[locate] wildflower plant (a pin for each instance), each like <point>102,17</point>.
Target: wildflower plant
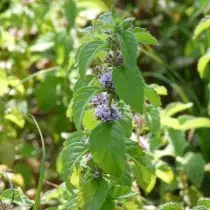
<point>106,99</point>
<point>116,150</point>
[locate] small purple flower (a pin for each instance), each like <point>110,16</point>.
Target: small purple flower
<point>106,80</point>
<point>99,99</point>
<point>107,114</point>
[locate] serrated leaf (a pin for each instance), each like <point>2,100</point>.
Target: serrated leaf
<point>152,96</point>
<point>170,206</point>
<point>202,25</point>
<point>86,53</point>
<point>95,193</point>
<point>129,85</point>
<point>80,100</point>
<point>177,139</point>
<point>176,107</point>
<point>90,121</point>
<point>145,37</point>
<point>204,201</point>
<point>129,48</point>
<point>202,63</point>
<point>73,151</point>
<point>193,166</point>
<point>105,140</point>
<point>153,119</point>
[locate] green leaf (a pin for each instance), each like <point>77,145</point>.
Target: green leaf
<point>170,122</point>
<point>71,12</point>
<point>95,193</point>
<point>200,207</point>
<point>145,176</point>
<point>203,25</point>
<point>193,166</point>
<point>194,123</point>
<point>86,53</point>
<point>164,172</point>
<point>145,37</point>
<point>152,96</point>
<point>126,123</point>
<point>16,117</point>
<point>204,201</point>
<point>161,90</point>
<point>3,83</point>
<point>129,48</point>
<point>144,170</point>
<point>19,197</point>
<point>105,140</point>
<point>80,100</point>
<point>202,63</point>
<point>83,82</point>
<point>153,119</point>
<point>129,85</point>
<point>177,139</point>
<point>170,206</point>
<point>176,107</point>
<point>108,204</point>
<point>73,151</point>
<point>90,121</point>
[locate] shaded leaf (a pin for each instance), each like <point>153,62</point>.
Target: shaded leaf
<point>152,96</point>
<point>129,48</point>
<point>177,139</point>
<point>81,99</point>
<point>145,37</point>
<point>193,166</point>
<point>95,193</point>
<point>86,53</point>
<point>105,140</point>
<point>153,119</point>
<point>73,151</point>
<point>129,85</point>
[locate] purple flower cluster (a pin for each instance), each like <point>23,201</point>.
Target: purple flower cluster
<point>106,80</point>
<point>99,99</point>
<point>107,114</point>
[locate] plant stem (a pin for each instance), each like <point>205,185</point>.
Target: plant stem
<point>42,169</point>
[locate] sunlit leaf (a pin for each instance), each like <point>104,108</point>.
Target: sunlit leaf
<point>202,26</point>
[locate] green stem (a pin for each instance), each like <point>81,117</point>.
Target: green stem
<point>42,169</point>
<point>110,100</point>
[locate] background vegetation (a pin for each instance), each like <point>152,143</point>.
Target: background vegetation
<point>38,39</point>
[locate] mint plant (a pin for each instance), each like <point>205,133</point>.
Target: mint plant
<point>123,138</point>
<point>107,96</point>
